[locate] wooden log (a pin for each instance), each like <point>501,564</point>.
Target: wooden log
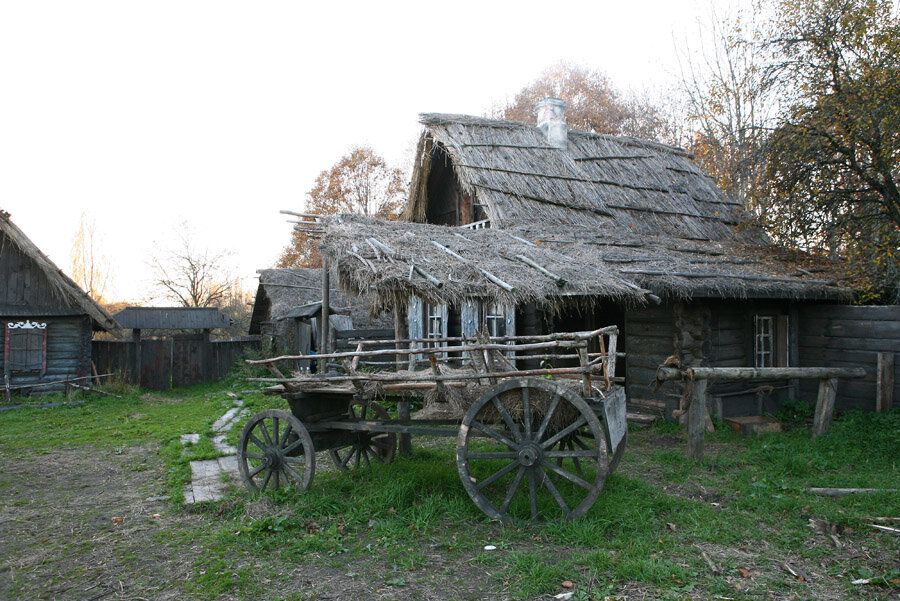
<point>560,281</point>
<point>665,374</point>
<point>383,377</point>
<point>843,492</point>
<point>305,215</point>
<point>824,406</point>
<point>364,261</point>
<point>884,385</point>
<point>425,351</point>
<point>696,421</point>
<point>437,283</point>
<point>326,302</point>
<point>491,277</point>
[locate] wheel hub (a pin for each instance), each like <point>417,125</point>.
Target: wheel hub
<point>273,458</point>
<point>530,454</point>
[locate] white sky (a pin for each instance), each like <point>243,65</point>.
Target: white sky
<point>144,115</point>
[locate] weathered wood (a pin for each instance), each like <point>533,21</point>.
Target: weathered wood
<point>491,277</point>
<point>326,305</point>
<point>757,373</point>
<point>842,492</point>
<point>560,281</point>
<point>696,421</point>
<point>884,395</point>
<point>824,406</point>
<point>437,283</point>
<point>376,377</point>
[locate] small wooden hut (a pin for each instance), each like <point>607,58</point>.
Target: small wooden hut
<point>530,229</point>
<point>47,319</point>
<point>288,306</point>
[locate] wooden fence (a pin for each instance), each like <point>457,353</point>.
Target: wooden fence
<point>170,362</point>
<point>845,336</point>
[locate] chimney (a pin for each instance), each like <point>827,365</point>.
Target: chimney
<point>551,118</point>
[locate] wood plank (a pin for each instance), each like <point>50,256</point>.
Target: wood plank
<point>813,342</point>
<point>884,392</point>
<point>824,406</point>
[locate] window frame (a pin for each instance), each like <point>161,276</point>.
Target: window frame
<point>30,331</point>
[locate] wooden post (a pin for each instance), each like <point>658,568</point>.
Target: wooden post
<point>136,338</point>
<point>884,386</point>
<point>696,421</point>
<point>405,443</point>
<point>326,301</point>
<point>405,440</point>
<point>824,406</point>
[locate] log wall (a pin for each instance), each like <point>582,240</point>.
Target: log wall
<point>68,352</point>
<point>649,339</point>
<point>845,336</point>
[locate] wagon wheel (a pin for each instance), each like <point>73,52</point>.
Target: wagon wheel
<point>365,446</point>
<point>532,450</point>
<point>276,451</point>
<point>578,441</point>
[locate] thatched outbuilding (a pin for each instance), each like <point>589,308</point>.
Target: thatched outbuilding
<point>47,319</point>
<point>288,305</point>
<point>530,229</point>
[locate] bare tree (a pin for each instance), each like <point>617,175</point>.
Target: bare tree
<point>730,102</point>
<point>91,269</point>
<point>191,276</point>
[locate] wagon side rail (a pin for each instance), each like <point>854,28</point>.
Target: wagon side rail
<point>572,345</point>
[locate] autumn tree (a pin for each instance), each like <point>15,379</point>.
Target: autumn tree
<point>191,276</point>
<point>592,104</point>
<point>91,269</point>
<point>360,182</point>
<point>834,159</point>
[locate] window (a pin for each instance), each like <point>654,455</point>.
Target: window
<point>764,341</point>
<point>770,340</point>
<point>435,324</point>
<point>495,319</point>
<point>25,346</point>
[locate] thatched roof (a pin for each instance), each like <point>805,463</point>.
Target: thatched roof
<point>628,268</point>
<point>282,291</point>
<point>61,285</point>
<point>614,217</point>
<point>606,183</point>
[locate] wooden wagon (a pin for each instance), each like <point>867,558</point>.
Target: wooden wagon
<point>535,445</point>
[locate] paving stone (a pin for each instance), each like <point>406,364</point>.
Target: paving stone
<point>220,445</point>
<point>190,438</point>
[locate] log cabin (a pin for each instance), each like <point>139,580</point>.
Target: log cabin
<point>533,228</point>
<point>47,319</point>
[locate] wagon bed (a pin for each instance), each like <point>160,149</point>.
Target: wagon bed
<point>532,444</point>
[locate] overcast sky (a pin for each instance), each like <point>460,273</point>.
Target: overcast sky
<point>144,115</point>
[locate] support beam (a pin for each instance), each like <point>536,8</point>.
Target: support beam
<point>326,301</point>
<point>824,406</point>
<point>696,421</point>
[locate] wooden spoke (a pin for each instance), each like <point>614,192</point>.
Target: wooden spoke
<point>364,446</point>
<point>511,491</point>
<point>282,442</point>
<point>507,419</point>
<point>568,476</point>
<point>500,444</point>
<point>532,494</point>
<point>564,432</point>
<point>555,492</point>
<point>497,475</point>
<point>546,421</point>
<point>494,434</point>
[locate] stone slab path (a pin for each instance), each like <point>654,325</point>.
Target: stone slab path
<point>210,478</point>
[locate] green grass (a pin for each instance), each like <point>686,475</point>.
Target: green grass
<point>747,500</point>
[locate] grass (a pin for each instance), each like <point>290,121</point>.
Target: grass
<point>657,524</point>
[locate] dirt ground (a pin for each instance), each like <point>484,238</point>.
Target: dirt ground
<point>82,525</point>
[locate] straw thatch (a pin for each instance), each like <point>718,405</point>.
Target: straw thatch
<point>599,181</point>
<point>281,291</point>
<point>611,217</point>
<point>62,286</point>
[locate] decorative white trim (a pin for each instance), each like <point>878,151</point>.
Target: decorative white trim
<point>27,325</point>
